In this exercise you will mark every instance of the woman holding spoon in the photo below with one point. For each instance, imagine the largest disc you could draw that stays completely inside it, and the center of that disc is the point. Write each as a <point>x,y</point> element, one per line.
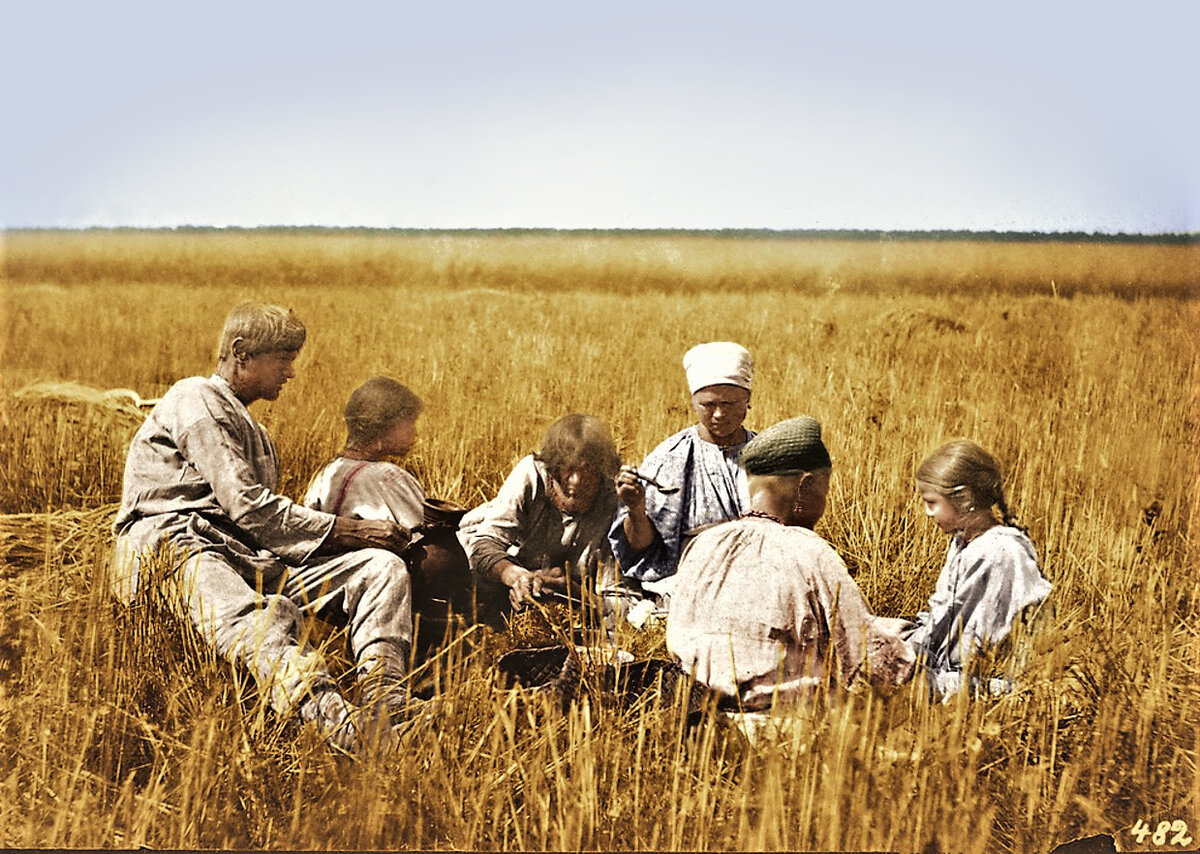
<point>691,480</point>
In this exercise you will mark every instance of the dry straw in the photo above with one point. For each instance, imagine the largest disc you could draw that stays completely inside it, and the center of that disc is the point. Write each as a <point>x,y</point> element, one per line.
<point>121,729</point>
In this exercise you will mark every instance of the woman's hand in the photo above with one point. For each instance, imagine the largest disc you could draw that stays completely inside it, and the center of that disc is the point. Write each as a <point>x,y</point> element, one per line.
<point>639,530</point>
<point>630,490</point>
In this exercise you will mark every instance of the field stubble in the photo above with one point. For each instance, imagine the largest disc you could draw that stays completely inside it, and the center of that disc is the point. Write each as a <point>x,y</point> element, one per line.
<point>123,731</point>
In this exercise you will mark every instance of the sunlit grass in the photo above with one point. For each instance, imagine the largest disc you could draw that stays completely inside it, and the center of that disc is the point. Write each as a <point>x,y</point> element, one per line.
<point>122,730</point>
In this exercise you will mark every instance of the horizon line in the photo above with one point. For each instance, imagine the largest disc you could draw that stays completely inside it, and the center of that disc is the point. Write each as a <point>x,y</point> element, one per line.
<point>882,233</point>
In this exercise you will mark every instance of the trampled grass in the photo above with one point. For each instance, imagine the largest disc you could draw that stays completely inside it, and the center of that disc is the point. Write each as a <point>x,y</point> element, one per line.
<point>122,731</point>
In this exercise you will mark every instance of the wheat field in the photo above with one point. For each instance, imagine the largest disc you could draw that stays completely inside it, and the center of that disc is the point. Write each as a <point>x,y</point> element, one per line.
<point>1076,364</point>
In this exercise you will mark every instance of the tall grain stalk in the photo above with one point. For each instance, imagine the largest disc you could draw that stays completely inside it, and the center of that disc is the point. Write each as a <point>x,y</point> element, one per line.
<point>123,730</point>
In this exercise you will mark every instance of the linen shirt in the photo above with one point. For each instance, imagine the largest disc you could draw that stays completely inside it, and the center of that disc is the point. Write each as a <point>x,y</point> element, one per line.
<point>983,588</point>
<point>367,489</point>
<point>712,489</point>
<point>760,609</point>
<point>522,524</point>
<point>202,474</point>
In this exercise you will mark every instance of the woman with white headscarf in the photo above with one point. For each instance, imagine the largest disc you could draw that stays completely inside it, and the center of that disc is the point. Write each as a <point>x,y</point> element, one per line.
<point>701,463</point>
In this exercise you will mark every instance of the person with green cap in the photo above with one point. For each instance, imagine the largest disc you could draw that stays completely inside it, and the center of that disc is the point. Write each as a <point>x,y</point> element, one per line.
<point>763,611</point>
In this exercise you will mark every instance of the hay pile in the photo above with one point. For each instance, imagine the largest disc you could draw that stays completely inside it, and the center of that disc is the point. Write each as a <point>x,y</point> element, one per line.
<point>906,323</point>
<point>122,402</point>
<point>34,539</point>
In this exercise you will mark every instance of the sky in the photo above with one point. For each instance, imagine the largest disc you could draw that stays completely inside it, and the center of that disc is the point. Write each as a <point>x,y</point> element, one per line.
<point>1022,116</point>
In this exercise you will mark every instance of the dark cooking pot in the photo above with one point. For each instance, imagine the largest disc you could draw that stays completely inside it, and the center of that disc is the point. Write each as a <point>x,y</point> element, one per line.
<point>441,575</point>
<point>440,513</point>
<point>443,587</point>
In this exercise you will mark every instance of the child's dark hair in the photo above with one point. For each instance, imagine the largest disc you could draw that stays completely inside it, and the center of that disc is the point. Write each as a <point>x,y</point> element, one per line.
<point>968,476</point>
<point>579,438</point>
<point>375,406</point>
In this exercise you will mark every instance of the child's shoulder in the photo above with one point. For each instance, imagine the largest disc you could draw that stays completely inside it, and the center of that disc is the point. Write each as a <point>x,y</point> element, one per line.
<point>363,470</point>
<point>381,466</point>
<point>385,473</point>
<point>1003,541</point>
<point>1007,533</point>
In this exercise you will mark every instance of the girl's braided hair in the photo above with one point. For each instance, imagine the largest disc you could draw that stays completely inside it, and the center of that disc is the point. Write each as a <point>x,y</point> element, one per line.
<point>968,476</point>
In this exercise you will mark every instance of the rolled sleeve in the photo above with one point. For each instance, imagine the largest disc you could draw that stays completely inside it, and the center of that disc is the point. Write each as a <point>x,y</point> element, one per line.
<point>491,533</point>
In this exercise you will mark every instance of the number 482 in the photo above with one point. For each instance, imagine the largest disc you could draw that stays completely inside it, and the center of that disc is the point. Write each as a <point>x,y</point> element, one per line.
<point>1178,830</point>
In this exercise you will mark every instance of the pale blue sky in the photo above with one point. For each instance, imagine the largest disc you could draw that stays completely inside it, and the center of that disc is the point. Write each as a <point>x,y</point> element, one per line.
<point>1025,116</point>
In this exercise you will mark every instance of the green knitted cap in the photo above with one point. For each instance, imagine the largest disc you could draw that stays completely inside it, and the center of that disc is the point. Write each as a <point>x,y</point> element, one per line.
<point>789,447</point>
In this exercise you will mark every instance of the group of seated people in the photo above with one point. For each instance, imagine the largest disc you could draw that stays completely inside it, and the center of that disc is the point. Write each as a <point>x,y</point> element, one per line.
<point>712,532</point>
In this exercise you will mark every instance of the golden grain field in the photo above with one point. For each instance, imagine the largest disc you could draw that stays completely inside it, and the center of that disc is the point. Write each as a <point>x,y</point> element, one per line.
<point>1076,364</point>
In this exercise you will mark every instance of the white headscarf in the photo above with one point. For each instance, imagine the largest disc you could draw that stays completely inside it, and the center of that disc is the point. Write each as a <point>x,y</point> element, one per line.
<point>718,363</point>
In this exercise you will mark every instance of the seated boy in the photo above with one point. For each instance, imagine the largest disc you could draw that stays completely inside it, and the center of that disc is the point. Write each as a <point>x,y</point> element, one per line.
<point>547,529</point>
<point>363,482</point>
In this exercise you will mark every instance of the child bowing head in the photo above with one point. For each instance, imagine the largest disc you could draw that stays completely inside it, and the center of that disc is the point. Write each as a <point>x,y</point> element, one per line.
<point>959,484</point>
<point>363,482</point>
<point>581,460</point>
<point>991,573</point>
<point>381,420</point>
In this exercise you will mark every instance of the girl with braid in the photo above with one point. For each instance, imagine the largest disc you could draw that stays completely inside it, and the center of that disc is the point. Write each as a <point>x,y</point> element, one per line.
<point>991,572</point>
